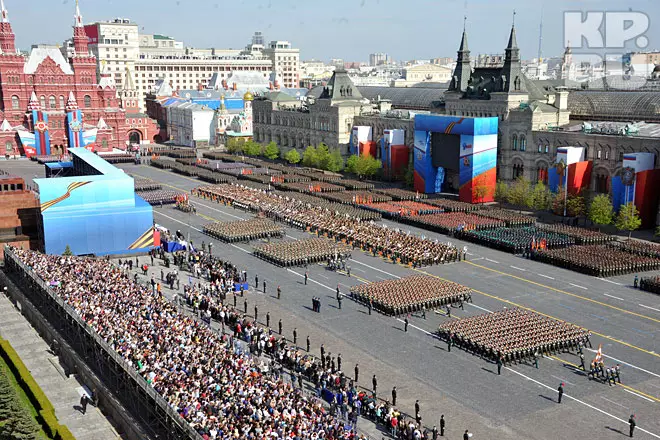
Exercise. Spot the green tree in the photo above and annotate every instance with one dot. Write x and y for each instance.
(235, 145)
(520, 192)
(292, 156)
(409, 177)
(601, 211)
(67, 251)
(575, 205)
(367, 166)
(628, 218)
(272, 151)
(7, 397)
(21, 426)
(541, 197)
(501, 192)
(252, 148)
(351, 164)
(309, 157)
(336, 162)
(322, 156)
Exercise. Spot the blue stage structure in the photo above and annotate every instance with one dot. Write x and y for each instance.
(95, 211)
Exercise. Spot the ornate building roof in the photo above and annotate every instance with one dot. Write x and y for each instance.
(40, 53)
(340, 87)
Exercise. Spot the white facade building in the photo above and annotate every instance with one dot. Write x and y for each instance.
(286, 63)
(190, 125)
(119, 48)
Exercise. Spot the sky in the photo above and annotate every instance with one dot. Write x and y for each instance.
(347, 29)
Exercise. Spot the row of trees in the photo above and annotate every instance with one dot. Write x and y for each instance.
(16, 422)
(321, 157)
(522, 193)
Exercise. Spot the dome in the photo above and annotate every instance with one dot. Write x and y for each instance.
(657, 68)
(248, 96)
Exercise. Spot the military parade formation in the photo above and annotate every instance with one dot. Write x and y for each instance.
(417, 293)
(244, 230)
(516, 240)
(301, 252)
(513, 335)
(596, 260)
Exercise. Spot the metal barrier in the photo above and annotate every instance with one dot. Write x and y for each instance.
(172, 425)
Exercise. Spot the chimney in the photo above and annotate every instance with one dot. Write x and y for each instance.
(270, 85)
(234, 87)
(277, 84)
(561, 98)
(224, 84)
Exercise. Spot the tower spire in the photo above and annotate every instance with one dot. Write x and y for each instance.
(5, 18)
(7, 38)
(78, 16)
(80, 43)
(463, 70)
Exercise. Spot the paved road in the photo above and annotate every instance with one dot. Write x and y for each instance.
(457, 382)
(518, 404)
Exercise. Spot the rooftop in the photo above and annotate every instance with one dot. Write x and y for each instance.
(615, 105)
(95, 162)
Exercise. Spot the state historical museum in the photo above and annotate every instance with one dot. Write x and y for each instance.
(49, 103)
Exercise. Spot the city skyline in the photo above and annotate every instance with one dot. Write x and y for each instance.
(487, 25)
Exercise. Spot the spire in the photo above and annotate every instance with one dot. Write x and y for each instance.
(77, 17)
(463, 70)
(80, 43)
(7, 37)
(512, 69)
(5, 18)
(71, 103)
(513, 43)
(34, 103)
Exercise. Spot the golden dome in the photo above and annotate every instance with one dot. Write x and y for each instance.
(248, 96)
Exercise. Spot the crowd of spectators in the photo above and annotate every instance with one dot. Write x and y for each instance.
(208, 378)
(513, 335)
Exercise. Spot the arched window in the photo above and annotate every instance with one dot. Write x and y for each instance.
(88, 101)
(523, 143)
(42, 101)
(9, 147)
(15, 103)
(514, 142)
(62, 102)
(598, 153)
(607, 154)
(52, 102)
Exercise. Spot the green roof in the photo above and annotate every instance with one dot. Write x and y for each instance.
(162, 37)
